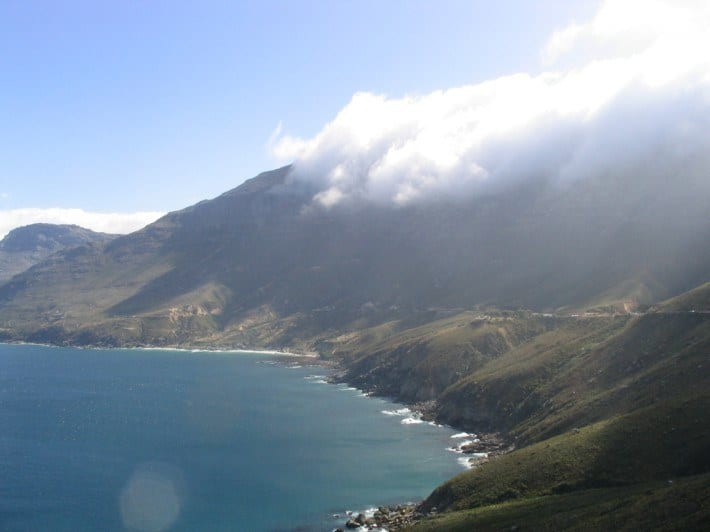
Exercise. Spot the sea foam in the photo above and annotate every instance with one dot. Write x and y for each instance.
(318, 379)
(314, 377)
(400, 412)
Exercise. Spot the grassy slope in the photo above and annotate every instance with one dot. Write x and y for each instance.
(697, 300)
(584, 372)
(518, 384)
(418, 361)
(654, 443)
(598, 406)
(683, 504)
(598, 410)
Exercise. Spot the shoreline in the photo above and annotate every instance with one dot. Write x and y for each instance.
(226, 351)
(474, 452)
(242, 351)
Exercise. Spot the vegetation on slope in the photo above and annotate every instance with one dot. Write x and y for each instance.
(597, 417)
(584, 372)
(418, 363)
(681, 504)
(597, 405)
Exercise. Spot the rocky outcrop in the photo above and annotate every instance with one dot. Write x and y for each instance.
(385, 518)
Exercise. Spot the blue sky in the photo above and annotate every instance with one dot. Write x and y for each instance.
(125, 106)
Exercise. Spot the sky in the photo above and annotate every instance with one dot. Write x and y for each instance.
(114, 112)
(624, 94)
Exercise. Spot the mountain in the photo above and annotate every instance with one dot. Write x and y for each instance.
(264, 265)
(28, 245)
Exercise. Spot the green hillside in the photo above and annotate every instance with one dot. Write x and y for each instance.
(681, 504)
(596, 417)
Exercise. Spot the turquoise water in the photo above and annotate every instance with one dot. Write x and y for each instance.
(163, 440)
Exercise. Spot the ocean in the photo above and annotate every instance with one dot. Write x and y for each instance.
(154, 440)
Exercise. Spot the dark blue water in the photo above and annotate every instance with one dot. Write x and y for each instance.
(159, 440)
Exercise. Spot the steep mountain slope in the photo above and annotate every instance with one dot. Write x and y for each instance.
(264, 265)
(26, 246)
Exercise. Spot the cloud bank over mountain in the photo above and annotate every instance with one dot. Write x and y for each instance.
(103, 222)
(628, 91)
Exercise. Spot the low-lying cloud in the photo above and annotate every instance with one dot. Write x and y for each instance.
(622, 88)
(119, 223)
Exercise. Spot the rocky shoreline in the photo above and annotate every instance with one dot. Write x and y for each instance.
(483, 448)
(479, 449)
(384, 518)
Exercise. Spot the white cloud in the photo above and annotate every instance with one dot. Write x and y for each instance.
(96, 221)
(637, 73)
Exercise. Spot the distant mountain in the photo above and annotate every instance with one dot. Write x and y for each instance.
(26, 246)
(263, 265)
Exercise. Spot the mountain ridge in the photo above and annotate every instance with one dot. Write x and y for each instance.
(201, 274)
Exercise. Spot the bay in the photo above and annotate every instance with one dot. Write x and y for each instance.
(165, 440)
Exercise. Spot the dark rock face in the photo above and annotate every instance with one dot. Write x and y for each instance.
(385, 518)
